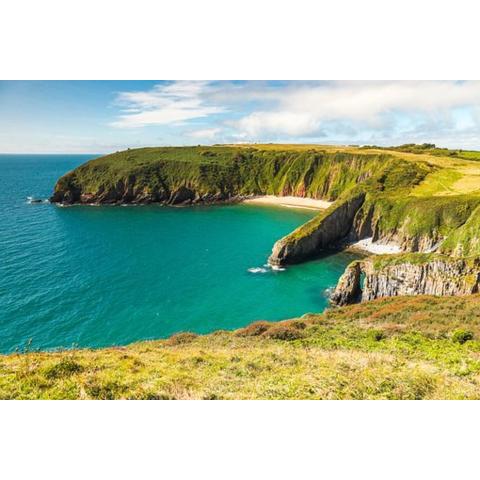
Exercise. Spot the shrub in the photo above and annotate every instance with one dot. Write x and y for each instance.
(108, 390)
(254, 329)
(282, 331)
(298, 324)
(64, 368)
(462, 336)
(181, 338)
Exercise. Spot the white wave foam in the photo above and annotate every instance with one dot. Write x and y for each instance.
(31, 200)
(257, 270)
(328, 292)
(266, 268)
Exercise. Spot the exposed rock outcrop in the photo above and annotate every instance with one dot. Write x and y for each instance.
(348, 287)
(412, 274)
(324, 232)
(126, 192)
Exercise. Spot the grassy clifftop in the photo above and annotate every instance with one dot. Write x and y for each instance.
(215, 173)
(394, 348)
(420, 197)
(307, 170)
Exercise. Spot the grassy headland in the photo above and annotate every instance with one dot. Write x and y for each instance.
(394, 348)
(217, 172)
(415, 196)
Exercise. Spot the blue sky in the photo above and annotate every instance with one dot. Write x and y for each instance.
(105, 116)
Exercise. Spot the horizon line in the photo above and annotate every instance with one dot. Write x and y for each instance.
(107, 152)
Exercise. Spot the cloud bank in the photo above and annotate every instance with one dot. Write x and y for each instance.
(384, 111)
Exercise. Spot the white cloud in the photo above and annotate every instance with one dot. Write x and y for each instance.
(306, 109)
(172, 103)
(262, 111)
(206, 133)
(289, 122)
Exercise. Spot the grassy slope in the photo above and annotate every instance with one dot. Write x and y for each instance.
(432, 149)
(414, 193)
(409, 348)
(313, 172)
(453, 176)
(417, 193)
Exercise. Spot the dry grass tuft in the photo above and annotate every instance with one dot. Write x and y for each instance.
(254, 329)
(181, 338)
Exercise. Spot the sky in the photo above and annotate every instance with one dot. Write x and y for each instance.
(106, 116)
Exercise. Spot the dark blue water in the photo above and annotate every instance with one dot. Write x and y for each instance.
(98, 276)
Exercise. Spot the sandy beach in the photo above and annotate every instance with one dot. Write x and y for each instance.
(290, 201)
(375, 247)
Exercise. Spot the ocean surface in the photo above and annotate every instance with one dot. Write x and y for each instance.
(99, 276)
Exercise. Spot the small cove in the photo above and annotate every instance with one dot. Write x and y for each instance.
(99, 276)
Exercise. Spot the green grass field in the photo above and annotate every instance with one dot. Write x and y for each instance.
(394, 348)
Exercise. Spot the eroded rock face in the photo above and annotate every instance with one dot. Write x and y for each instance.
(125, 192)
(348, 287)
(335, 225)
(439, 275)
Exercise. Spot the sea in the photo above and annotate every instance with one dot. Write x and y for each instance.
(90, 276)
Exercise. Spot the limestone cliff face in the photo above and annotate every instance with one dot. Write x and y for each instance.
(414, 274)
(348, 287)
(325, 231)
(436, 277)
(180, 196)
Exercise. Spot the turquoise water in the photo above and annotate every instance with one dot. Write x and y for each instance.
(98, 276)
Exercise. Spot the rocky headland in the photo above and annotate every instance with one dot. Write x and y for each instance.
(425, 205)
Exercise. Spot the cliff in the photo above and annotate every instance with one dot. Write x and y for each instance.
(187, 175)
(327, 229)
(390, 211)
(407, 274)
(349, 288)
(422, 203)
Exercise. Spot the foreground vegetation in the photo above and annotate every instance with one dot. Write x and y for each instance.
(394, 348)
